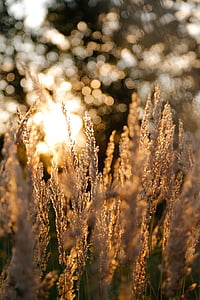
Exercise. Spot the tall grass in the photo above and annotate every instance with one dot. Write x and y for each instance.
(129, 232)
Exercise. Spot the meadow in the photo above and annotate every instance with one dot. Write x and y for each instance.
(69, 231)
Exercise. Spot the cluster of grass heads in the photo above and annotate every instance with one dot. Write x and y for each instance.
(128, 232)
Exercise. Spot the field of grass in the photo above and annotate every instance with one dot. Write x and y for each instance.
(69, 231)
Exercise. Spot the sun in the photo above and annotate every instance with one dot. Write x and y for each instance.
(57, 128)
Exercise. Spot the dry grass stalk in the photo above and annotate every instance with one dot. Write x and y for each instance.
(67, 278)
(160, 169)
(133, 207)
(45, 285)
(92, 154)
(72, 224)
(20, 282)
(107, 240)
(182, 166)
(39, 194)
(107, 176)
(139, 266)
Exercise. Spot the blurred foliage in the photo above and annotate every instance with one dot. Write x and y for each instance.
(105, 51)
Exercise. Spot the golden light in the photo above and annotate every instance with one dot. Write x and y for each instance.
(56, 128)
(86, 90)
(57, 38)
(95, 84)
(53, 123)
(82, 26)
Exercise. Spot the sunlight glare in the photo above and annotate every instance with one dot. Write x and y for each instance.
(54, 125)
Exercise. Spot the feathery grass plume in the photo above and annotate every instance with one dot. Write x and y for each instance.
(184, 233)
(72, 224)
(156, 118)
(46, 284)
(72, 232)
(145, 141)
(139, 266)
(33, 222)
(163, 182)
(39, 204)
(92, 151)
(171, 203)
(58, 200)
(182, 166)
(106, 235)
(40, 219)
(184, 152)
(133, 207)
(8, 209)
(160, 170)
(71, 144)
(139, 263)
(23, 131)
(124, 166)
(152, 165)
(20, 282)
(67, 278)
(107, 176)
(149, 130)
(37, 86)
(128, 195)
(163, 163)
(157, 178)
(106, 239)
(22, 124)
(145, 145)
(133, 123)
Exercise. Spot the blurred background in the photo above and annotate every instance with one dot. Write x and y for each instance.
(93, 54)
